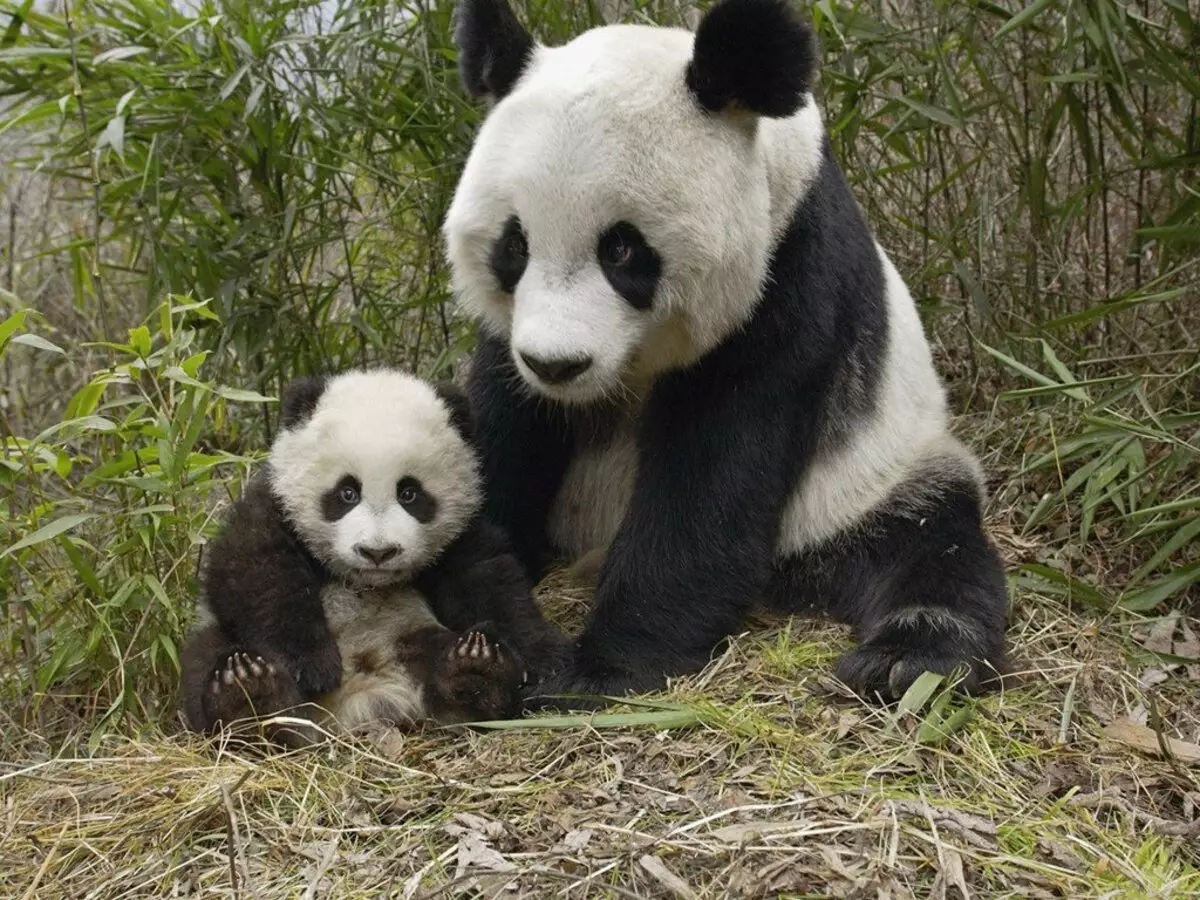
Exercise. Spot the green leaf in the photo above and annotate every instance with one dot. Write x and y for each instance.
(1025, 15)
(85, 572)
(10, 325)
(49, 531)
(1161, 590)
(239, 396)
(919, 692)
(118, 53)
(33, 340)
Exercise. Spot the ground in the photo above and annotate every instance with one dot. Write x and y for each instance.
(757, 778)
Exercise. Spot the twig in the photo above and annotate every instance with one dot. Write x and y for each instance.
(234, 839)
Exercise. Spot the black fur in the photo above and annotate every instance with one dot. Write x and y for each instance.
(493, 47)
(456, 401)
(300, 400)
(264, 587)
(721, 446)
(524, 445)
(756, 54)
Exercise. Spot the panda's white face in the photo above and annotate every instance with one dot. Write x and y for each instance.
(377, 481)
(608, 226)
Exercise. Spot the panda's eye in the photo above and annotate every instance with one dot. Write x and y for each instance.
(510, 255)
(348, 494)
(516, 246)
(408, 495)
(616, 252)
(630, 264)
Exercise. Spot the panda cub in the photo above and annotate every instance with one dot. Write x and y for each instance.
(356, 573)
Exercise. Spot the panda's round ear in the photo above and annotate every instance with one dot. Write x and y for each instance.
(757, 55)
(459, 406)
(493, 46)
(300, 400)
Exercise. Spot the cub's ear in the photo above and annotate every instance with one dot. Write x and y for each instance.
(459, 407)
(300, 400)
(757, 55)
(493, 47)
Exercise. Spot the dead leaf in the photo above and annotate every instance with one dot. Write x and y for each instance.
(575, 841)
(657, 869)
(745, 831)
(950, 875)
(1145, 739)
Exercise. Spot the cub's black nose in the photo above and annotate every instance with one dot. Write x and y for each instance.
(376, 555)
(557, 371)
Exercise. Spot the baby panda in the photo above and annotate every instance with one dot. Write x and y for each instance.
(355, 576)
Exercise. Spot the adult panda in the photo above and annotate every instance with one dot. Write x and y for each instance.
(695, 359)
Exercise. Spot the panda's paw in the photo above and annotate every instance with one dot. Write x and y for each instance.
(244, 686)
(479, 677)
(586, 690)
(318, 669)
(879, 670)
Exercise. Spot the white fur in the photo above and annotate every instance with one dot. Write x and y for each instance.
(368, 624)
(601, 130)
(379, 426)
(910, 427)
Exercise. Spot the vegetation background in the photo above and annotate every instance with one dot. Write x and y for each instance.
(203, 199)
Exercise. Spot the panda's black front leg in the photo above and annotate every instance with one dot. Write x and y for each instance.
(718, 454)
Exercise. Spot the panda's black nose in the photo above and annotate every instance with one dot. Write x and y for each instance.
(377, 555)
(557, 371)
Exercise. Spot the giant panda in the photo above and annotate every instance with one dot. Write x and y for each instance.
(696, 364)
(355, 581)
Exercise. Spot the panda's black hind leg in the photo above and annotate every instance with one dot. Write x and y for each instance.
(922, 587)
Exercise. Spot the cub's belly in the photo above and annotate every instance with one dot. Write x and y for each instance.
(368, 626)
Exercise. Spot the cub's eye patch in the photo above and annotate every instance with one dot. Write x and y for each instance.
(341, 498)
(417, 501)
(630, 264)
(510, 255)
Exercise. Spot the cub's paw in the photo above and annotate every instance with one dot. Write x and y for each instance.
(886, 670)
(477, 677)
(246, 686)
(318, 670)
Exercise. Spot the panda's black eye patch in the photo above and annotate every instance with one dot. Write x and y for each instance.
(341, 498)
(417, 501)
(510, 255)
(630, 264)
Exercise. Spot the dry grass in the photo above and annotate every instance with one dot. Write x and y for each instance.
(782, 787)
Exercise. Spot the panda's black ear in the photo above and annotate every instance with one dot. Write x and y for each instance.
(300, 399)
(758, 55)
(459, 406)
(493, 47)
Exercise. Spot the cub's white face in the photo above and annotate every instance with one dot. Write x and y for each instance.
(609, 227)
(377, 481)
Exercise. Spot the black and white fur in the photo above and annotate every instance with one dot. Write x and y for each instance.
(356, 573)
(696, 361)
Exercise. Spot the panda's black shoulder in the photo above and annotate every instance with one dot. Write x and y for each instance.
(256, 545)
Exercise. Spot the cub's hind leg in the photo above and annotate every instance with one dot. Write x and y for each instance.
(921, 585)
(226, 686)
